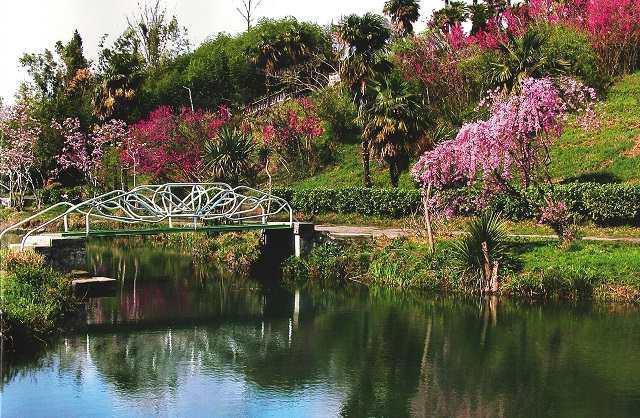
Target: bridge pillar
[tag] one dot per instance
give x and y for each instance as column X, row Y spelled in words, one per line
column 304, row 234
column 63, row 253
column 279, row 244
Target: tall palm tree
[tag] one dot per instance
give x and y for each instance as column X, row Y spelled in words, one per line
column 393, row 123
column 403, row 13
column 454, row 13
column 364, row 40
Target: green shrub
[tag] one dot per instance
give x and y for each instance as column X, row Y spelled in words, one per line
column 36, row 300
column 604, row 204
column 337, row 110
column 572, row 47
column 57, row 193
column 329, row 263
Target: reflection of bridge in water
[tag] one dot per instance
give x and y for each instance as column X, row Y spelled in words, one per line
column 169, row 208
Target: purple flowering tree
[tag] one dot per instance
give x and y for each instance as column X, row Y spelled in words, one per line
column 85, row 152
column 18, row 137
column 508, row 152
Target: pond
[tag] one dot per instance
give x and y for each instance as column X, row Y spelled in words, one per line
column 177, row 340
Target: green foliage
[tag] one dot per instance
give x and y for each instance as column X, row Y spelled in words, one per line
column 377, row 202
column 35, row 301
column 235, row 252
column 393, row 122
column 572, row 48
column 409, row 264
column 329, row 263
column 602, row 270
column 336, row 109
column 230, row 156
column 469, row 253
column 604, row 204
column 56, row 193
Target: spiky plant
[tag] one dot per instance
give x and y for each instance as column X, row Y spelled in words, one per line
column 469, row 255
column 230, row 155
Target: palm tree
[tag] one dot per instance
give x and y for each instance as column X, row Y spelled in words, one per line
column 392, row 123
column 522, row 57
column 229, row 157
column 363, row 39
column 454, row 12
column 403, row 13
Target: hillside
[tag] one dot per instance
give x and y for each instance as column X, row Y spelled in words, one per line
column 610, row 153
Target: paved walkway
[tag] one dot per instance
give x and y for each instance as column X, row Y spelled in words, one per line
column 374, row 231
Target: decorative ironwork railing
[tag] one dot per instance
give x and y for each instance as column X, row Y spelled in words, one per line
column 186, row 203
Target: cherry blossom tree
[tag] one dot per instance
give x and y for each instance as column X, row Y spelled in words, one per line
column 508, row 152
column 85, row 152
column 18, row 136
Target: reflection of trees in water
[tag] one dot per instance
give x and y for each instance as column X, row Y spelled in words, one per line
column 161, row 284
column 537, row 361
column 390, row 353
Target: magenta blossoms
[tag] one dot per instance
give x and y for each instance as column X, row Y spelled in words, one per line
column 85, row 152
column 511, row 147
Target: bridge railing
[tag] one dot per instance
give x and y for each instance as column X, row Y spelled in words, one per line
column 185, row 203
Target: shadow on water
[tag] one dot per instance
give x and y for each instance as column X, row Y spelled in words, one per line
column 184, row 340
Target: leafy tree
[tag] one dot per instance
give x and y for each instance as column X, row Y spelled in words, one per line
column 363, row 40
column 392, row 123
column 454, row 13
column 61, row 86
column 120, row 76
column 404, row 13
column 274, row 45
column 160, row 36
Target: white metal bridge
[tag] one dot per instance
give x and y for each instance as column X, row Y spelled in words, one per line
column 166, row 208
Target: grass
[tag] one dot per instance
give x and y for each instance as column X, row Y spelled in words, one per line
column 346, row 171
column 536, row 270
column 35, row 300
column 606, row 154
column 605, row 271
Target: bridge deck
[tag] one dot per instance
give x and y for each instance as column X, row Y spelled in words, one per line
column 177, row 230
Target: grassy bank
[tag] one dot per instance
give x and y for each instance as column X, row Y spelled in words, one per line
column 539, row 270
column 36, row 301
column 234, row 252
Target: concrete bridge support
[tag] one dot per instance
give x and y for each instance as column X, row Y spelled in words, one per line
column 62, row 253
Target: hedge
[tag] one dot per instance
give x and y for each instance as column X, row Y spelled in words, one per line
column 604, row 204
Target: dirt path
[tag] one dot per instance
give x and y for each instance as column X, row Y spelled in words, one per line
column 373, row 231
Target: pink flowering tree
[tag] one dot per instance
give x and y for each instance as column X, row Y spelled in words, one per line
column 291, row 131
column 509, row 151
column 167, row 145
column 85, row 152
column 18, row 137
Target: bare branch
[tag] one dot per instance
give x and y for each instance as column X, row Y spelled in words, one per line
column 248, row 11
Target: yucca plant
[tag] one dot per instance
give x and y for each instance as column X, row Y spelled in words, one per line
column 479, row 253
column 230, row 155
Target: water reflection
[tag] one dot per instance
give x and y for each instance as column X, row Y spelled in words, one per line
column 179, row 342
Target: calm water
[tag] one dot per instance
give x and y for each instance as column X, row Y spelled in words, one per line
column 179, row 341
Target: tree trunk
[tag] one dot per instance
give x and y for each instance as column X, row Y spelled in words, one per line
column 394, row 173
column 427, row 217
column 366, row 174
